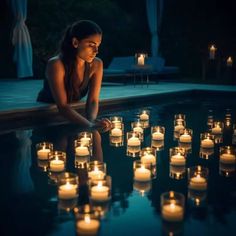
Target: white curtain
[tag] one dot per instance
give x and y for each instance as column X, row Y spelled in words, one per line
column 21, row 40
column 154, row 15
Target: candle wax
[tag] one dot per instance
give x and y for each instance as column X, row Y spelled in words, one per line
column 172, row 212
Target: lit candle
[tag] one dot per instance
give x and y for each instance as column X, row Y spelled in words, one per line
column 185, row 138
column 207, row 143
column 141, row 58
column 116, row 132
column 229, row 62
column 88, row 226
column 138, row 129
column 179, row 127
column 142, row 174
column 144, row 116
column 172, row 212
column 57, row 165
column 134, row 141
column 43, row 153
column 178, row 160
column 85, row 139
column 100, row 192
column 148, row 159
column 212, row 52
column 157, row 136
column 198, row 183
column 67, row 191
column 96, row 174
column 216, row 130
column 228, row 158
column 81, row 151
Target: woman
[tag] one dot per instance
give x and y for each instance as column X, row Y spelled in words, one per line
column 74, row 72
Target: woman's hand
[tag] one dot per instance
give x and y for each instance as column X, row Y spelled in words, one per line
column 103, row 125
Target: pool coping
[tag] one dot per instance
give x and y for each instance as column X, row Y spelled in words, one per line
column 30, row 117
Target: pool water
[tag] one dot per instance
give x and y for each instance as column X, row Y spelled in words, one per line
column 28, row 199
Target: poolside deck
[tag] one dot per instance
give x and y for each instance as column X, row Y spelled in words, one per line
column 18, row 97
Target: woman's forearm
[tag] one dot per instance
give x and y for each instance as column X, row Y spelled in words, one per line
column 91, row 110
column 74, row 116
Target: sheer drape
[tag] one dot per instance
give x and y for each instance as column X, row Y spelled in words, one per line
column 21, row 40
column 154, row 15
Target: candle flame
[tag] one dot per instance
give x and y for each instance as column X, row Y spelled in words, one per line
column 87, row 219
column 99, row 184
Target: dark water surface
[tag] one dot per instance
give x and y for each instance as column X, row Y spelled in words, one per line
column 29, row 203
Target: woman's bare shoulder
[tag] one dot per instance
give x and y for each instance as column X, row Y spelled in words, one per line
column 97, row 64
column 55, row 66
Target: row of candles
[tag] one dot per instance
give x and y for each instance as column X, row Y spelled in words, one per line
column 141, row 57
column 172, row 203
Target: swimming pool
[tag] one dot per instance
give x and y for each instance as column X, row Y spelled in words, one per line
column 29, row 202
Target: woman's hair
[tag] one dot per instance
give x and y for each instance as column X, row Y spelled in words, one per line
column 80, row 29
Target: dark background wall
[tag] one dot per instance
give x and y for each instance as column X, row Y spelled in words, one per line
column 188, row 28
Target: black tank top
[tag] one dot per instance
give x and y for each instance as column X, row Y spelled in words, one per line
column 45, row 94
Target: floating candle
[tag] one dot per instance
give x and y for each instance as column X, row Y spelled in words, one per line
column 100, row 192
column 67, row 191
column 172, row 212
column 116, row 132
column 142, row 174
column 157, row 136
column 198, row 183
column 228, row 158
column 96, row 174
column 87, row 226
column 185, row 138
column 57, row 165
column 207, row 143
column 43, row 153
column 82, row 151
column 148, row 159
column 178, row 160
column 144, row 116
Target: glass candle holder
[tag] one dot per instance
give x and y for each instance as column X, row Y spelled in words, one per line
column 43, row 150
column 179, row 117
column 116, row 120
column 172, row 206
column 179, row 126
column 100, row 190
column 197, row 178
column 207, row 141
column 177, row 156
column 177, row 172
column 142, row 187
column 67, row 206
column 68, row 186
column 137, row 126
column 197, row 198
column 144, row 115
column 86, row 138
column 96, row 170
column 116, row 135
column 228, row 119
column 158, row 133
column 82, row 153
column 56, row 161
column 133, row 144
column 142, row 172
column 140, row 59
column 217, row 128
column 186, row 136
column 210, row 121
column 228, row 155
column 227, row 170
column 148, row 156
column 206, row 153
column 86, row 222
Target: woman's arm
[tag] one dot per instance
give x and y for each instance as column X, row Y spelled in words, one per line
column 94, row 90
column 55, row 73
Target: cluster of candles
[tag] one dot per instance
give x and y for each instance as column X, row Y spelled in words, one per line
column 212, row 55
column 99, row 183
column 144, row 168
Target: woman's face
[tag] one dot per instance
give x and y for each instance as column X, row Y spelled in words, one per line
column 88, row 47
